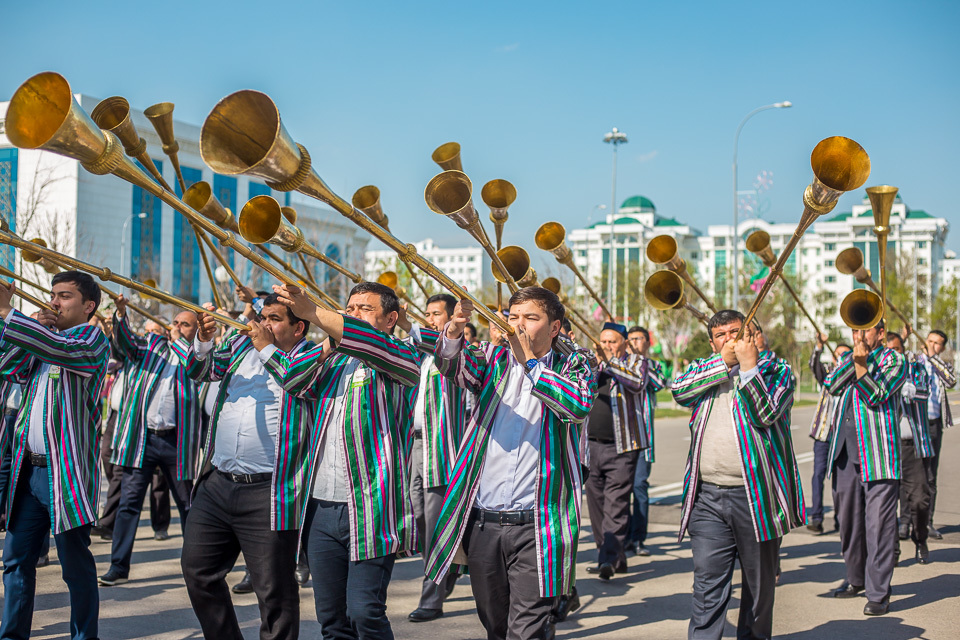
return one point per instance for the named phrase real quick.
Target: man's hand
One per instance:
(402, 320)
(207, 329)
(6, 295)
(246, 294)
(295, 299)
(174, 333)
(746, 353)
(860, 353)
(47, 318)
(520, 345)
(905, 332)
(728, 354)
(461, 316)
(121, 303)
(822, 340)
(260, 334)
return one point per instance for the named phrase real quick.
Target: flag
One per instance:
(757, 281)
(598, 314)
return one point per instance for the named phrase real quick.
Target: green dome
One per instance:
(638, 202)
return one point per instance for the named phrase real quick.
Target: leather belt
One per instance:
(601, 441)
(162, 432)
(418, 435)
(246, 478)
(504, 517)
(36, 459)
(721, 486)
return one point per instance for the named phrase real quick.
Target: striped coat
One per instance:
(567, 391)
(761, 415)
(636, 382)
(289, 468)
(875, 401)
(826, 404)
(73, 411)
(445, 415)
(946, 379)
(146, 357)
(915, 410)
(377, 431)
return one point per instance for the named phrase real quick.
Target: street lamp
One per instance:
(616, 138)
(736, 213)
(123, 238)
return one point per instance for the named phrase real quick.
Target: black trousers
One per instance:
(225, 519)
(868, 527)
(427, 503)
(914, 491)
(608, 488)
(160, 451)
(933, 463)
(721, 532)
(503, 575)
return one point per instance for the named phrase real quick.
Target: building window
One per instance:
(225, 190)
(719, 242)
(186, 253)
(145, 233)
(921, 245)
(921, 261)
(255, 189)
(830, 246)
(8, 200)
(694, 256)
(830, 279)
(828, 263)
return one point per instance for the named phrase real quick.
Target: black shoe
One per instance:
(425, 615)
(605, 571)
(904, 531)
(643, 551)
(923, 553)
(161, 535)
(847, 590)
(44, 560)
(876, 608)
(302, 574)
(111, 578)
(568, 604)
(933, 533)
(816, 526)
(245, 585)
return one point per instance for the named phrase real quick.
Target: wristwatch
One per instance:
(531, 363)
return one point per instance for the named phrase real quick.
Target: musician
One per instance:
(741, 485)
(942, 377)
(513, 513)
(471, 333)
(916, 449)
(638, 340)
(359, 516)
(248, 496)
(820, 430)
(158, 426)
(865, 458)
(616, 438)
(55, 480)
(438, 418)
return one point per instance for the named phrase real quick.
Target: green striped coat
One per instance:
(72, 411)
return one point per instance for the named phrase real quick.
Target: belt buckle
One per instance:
(500, 514)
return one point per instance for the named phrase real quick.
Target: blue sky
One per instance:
(529, 89)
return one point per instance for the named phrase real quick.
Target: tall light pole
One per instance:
(123, 239)
(616, 138)
(736, 208)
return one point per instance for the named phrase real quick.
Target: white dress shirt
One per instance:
(331, 480)
(35, 440)
(162, 410)
(511, 466)
(246, 436)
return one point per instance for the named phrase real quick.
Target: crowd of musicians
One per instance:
(335, 459)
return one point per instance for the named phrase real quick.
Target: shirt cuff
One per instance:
(748, 375)
(267, 352)
(535, 372)
(201, 349)
(415, 333)
(449, 348)
(257, 305)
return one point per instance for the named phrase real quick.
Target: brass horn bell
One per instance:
(200, 197)
(663, 250)
(113, 114)
(551, 237)
(498, 195)
(47, 264)
(367, 199)
(517, 262)
(447, 156)
(664, 290)
(861, 309)
(758, 243)
(160, 116)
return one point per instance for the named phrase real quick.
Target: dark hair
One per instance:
(388, 297)
(546, 299)
(445, 298)
(894, 336)
(292, 319)
(639, 329)
(937, 332)
(470, 326)
(567, 326)
(262, 294)
(84, 283)
(844, 345)
(722, 318)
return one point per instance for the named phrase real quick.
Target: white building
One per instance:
(468, 266)
(949, 268)
(95, 218)
(914, 234)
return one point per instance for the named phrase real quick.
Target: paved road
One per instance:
(651, 601)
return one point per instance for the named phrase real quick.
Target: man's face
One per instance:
(872, 337)
(275, 317)
(367, 307)
(723, 334)
(638, 340)
(935, 344)
(186, 323)
(66, 299)
(437, 314)
(614, 344)
(533, 319)
(469, 335)
(896, 345)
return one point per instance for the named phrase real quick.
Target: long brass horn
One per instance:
(861, 309)
(849, 262)
(200, 197)
(839, 164)
(33, 257)
(517, 261)
(244, 135)
(105, 274)
(663, 250)
(451, 194)
(758, 243)
(392, 280)
(367, 199)
(575, 317)
(160, 116)
(551, 237)
(262, 221)
(113, 114)
(447, 156)
(43, 114)
(498, 195)
(881, 200)
(32, 299)
(664, 290)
